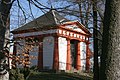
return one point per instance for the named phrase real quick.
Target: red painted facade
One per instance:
(68, 62)
(78, 60)
(40, 54)
(56, 54)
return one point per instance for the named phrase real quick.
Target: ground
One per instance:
(59, 76)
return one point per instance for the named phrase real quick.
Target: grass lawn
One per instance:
(58, 76)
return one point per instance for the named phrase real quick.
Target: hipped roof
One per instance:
(49, 19)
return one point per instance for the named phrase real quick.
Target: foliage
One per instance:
(15, 74)
(25, 72)
(2, 55)
(35, 68)
(19, 73)
(31, 74)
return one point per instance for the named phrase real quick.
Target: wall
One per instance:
(75, 27)
(62, 42)
(83, 54)
(34, 53)
(48, 49)
(20, 48)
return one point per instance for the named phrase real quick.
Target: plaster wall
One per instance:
(75, 27)
(83, 54)
(20, 48)
(62, 42)
(48, 50)
(34, 52)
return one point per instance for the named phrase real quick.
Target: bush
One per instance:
(25, 72)
(21, 73)
(15, 75)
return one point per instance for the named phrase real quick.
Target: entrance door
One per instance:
(73, 52)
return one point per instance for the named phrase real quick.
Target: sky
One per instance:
(17, 18)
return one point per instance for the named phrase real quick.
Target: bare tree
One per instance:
(5, 7)
(95, 45)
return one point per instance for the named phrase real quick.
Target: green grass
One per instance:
(58, 76)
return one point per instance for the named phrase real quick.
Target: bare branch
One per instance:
(21, 9)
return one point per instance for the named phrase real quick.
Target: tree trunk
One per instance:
(87, 14)
(110, 58)
(80, 10)
(95, 42)
(5, 6)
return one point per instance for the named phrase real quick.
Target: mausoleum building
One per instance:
(62, 44)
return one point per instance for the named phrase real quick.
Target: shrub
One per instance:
(15, 75)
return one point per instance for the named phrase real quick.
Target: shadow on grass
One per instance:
(57, 76)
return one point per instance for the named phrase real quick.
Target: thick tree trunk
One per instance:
(5, 6)
(110, 58)
(95, 42)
